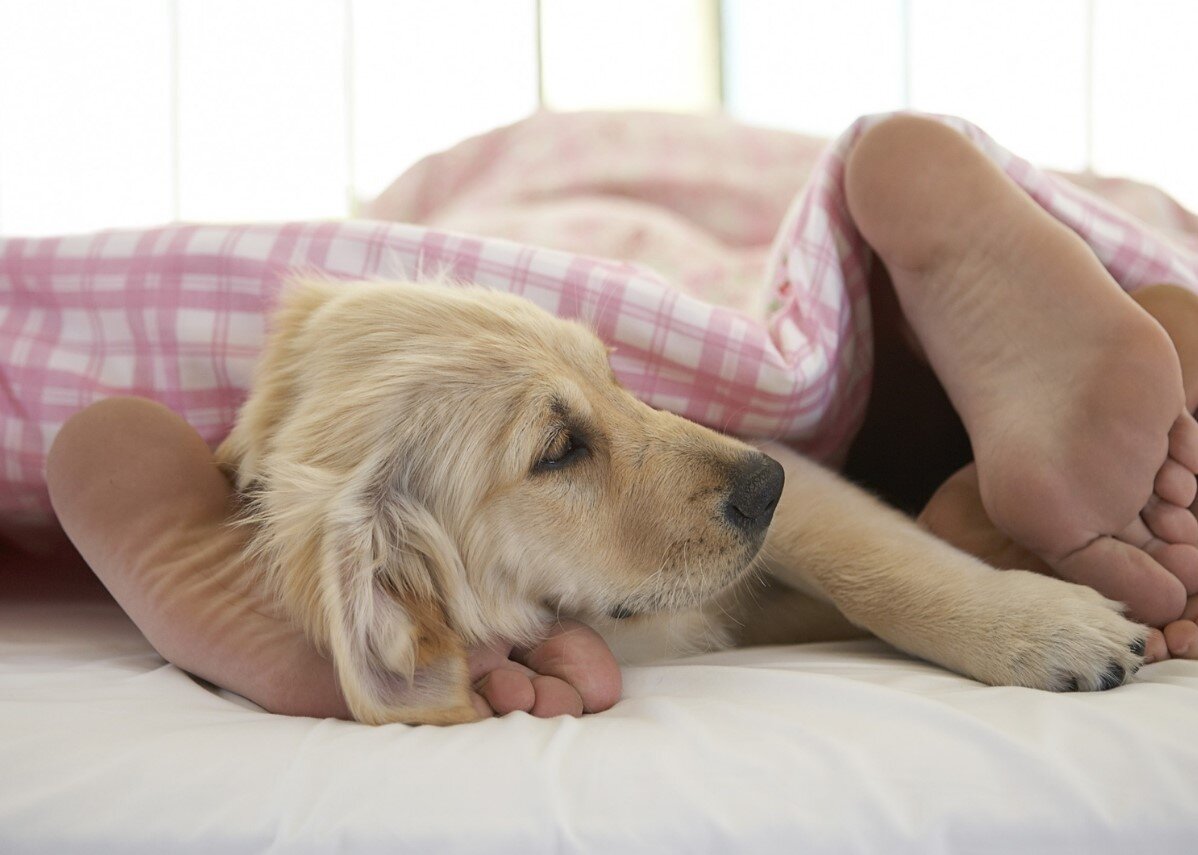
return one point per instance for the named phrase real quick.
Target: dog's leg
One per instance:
(767, 611)
(889, 576)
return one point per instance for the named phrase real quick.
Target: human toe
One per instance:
(507, 690)
(555, 697)
(1183, 442)
(1128, 574)
(576, 654)
(1175, 483)
(1181, 637)
(1156, 649)
(1169, 522)
(1180, 559)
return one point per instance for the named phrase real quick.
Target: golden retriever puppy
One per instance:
(427, 468)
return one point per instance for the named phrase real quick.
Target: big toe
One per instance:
(1180, 559)
(1181, 637)
(1123, 572)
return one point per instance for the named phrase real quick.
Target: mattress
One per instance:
(838, 747)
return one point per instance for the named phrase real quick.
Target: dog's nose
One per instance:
(756, 487)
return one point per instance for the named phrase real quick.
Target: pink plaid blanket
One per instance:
(735, 294)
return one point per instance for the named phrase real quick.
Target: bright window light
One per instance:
(1146, 92)
(630, 54)
(1017, 69)
(138, 112)
(427, 75)
(261, 107)
(85, 106)
(811, 65)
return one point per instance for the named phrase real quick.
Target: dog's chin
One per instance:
(678, 600)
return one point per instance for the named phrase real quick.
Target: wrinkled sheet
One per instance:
(843, 747)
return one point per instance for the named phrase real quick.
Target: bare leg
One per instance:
(140, 495)
(956, 514)
(1020, 323)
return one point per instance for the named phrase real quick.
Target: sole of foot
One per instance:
(956, 512)
(1071, 394)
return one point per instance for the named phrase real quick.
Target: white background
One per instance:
(135, 112)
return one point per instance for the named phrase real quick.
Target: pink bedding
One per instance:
(717, 260)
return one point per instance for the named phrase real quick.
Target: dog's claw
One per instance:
(1112, 677)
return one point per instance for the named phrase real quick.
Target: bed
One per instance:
(835, 747)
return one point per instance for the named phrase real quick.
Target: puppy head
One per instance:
(432, 467)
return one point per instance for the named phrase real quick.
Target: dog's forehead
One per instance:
(586, 348)
(526, 344)
(573, 344)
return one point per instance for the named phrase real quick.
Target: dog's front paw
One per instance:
(1044, 633)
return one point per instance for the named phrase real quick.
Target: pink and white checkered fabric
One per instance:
(178, 314)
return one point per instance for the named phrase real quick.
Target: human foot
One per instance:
(1071, 396)
(140, 496)
(956, 514)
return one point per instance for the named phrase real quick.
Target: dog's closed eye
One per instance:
(563, 449)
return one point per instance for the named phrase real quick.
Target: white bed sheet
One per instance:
(847, 747)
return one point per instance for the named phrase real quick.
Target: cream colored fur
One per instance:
(396, 462)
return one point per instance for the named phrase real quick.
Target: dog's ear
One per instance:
(396, 656)
(357, 562)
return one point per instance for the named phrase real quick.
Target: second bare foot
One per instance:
(956, 513)
(1071, 394)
